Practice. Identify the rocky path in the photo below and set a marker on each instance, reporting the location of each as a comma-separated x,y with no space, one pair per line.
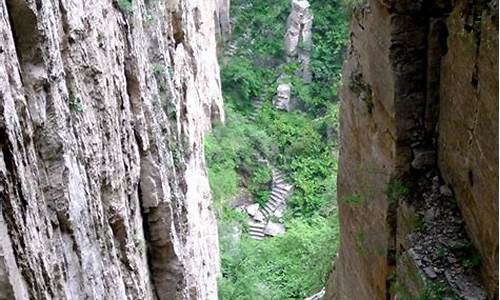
268,220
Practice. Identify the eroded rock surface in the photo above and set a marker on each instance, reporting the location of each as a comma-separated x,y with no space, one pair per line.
103,186
419,105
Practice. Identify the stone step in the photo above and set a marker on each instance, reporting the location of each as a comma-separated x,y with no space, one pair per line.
274,201
266,211
271,208
278,181
259,238
261,235
273,204
281,190
281,194
282,187
278,194
257,233
278,174
257,225
278,199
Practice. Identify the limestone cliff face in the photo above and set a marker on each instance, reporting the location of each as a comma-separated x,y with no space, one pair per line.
419,127
298,37
103,186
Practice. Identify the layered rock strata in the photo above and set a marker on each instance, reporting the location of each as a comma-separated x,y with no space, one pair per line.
417,185
103,186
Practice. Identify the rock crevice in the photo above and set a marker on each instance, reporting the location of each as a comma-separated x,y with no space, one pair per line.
414,87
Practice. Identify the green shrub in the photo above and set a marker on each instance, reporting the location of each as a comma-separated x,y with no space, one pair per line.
125,5
260,183
274,268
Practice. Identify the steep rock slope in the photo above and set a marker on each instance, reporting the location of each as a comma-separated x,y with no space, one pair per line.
419,127
103,187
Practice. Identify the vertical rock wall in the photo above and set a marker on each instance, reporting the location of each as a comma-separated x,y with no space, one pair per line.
103,186
419,128
223,23
298,37
468,124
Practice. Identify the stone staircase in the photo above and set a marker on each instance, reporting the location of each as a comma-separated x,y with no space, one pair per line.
257,230
257,106
261,224
279,194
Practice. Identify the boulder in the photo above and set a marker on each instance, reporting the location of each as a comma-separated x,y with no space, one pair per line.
298,37
282,99
252,209
275,229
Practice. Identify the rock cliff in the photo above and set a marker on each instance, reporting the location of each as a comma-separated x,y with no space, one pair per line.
103,186
223,23
417,185
298,37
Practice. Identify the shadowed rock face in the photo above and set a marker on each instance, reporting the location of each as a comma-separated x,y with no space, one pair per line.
103,186
223,23
419,132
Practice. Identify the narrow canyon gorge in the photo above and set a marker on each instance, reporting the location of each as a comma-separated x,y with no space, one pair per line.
105,109
419,152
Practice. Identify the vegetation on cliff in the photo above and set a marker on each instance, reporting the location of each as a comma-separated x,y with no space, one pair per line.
302,143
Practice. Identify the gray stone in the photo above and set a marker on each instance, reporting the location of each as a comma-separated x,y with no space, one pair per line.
282,99
423,158
445,191
275,229
252,209
430,272
259,216
298,37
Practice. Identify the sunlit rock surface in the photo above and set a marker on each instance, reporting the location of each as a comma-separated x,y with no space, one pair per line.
298,37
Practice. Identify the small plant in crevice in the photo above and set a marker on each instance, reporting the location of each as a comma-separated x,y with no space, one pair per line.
354,199
158,69
437,291
150,20
75,103
432,290
415,222
395,189
125,5
361,244
441,252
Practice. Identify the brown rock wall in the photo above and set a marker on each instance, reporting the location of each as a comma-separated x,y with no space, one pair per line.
393,109
468,125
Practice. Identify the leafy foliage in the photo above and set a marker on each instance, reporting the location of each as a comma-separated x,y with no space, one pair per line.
274,268
233,150
299,143
125,5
